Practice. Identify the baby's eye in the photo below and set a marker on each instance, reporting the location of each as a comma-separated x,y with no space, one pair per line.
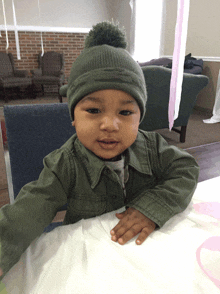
93,110
126,112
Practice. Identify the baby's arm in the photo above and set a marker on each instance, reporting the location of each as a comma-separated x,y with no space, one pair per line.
34,209
177,173
177,176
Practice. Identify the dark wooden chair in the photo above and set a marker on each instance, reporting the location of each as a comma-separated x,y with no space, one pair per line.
50,71
10,77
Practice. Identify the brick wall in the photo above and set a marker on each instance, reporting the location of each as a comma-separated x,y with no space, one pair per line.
70,44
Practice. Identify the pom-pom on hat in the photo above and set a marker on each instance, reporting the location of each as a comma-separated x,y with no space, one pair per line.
105,64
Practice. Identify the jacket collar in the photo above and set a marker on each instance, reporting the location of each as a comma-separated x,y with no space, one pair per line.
137,156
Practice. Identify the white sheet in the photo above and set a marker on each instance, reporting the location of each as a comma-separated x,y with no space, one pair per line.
81,258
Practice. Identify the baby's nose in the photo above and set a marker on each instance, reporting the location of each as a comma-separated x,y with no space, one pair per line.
110,124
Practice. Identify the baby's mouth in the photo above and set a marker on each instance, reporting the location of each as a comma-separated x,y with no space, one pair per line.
108,144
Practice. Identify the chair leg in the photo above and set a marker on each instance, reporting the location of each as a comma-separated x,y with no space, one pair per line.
31,91
5,95
183,134
42,90
19,95
59,96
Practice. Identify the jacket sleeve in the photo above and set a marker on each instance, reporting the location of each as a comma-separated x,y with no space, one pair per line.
177,176
34,208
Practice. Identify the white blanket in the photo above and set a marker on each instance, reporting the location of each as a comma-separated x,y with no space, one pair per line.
82,259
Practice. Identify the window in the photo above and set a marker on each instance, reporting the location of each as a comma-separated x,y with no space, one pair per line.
148,23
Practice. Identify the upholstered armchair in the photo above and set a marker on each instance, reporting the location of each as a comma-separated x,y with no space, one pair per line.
157,80
10,77
50,71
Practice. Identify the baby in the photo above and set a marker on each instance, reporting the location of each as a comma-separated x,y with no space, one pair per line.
109,163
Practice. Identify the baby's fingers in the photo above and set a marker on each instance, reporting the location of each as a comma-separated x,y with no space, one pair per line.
121,215
144,234
127,235
118,226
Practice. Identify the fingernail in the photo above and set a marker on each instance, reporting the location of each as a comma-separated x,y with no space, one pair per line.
120,240
112,232
114,238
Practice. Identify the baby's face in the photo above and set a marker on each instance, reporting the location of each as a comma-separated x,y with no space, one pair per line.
106,122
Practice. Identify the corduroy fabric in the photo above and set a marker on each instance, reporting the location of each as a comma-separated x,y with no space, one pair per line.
105,67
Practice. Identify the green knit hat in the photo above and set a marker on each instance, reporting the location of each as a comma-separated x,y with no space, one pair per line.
105,64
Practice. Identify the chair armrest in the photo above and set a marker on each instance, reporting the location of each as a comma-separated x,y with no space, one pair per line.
63,90
36,72
163,61
20,73
58,73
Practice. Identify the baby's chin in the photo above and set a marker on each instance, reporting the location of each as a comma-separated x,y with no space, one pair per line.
116,158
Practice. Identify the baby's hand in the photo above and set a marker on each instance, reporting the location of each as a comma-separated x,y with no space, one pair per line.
132,222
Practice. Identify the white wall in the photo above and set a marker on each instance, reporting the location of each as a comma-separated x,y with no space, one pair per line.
121,12
69,14
203,32
203,28
58,13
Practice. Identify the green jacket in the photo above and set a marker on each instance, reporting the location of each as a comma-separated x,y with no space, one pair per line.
161,183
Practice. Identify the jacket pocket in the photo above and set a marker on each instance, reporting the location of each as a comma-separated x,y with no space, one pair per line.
87,205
